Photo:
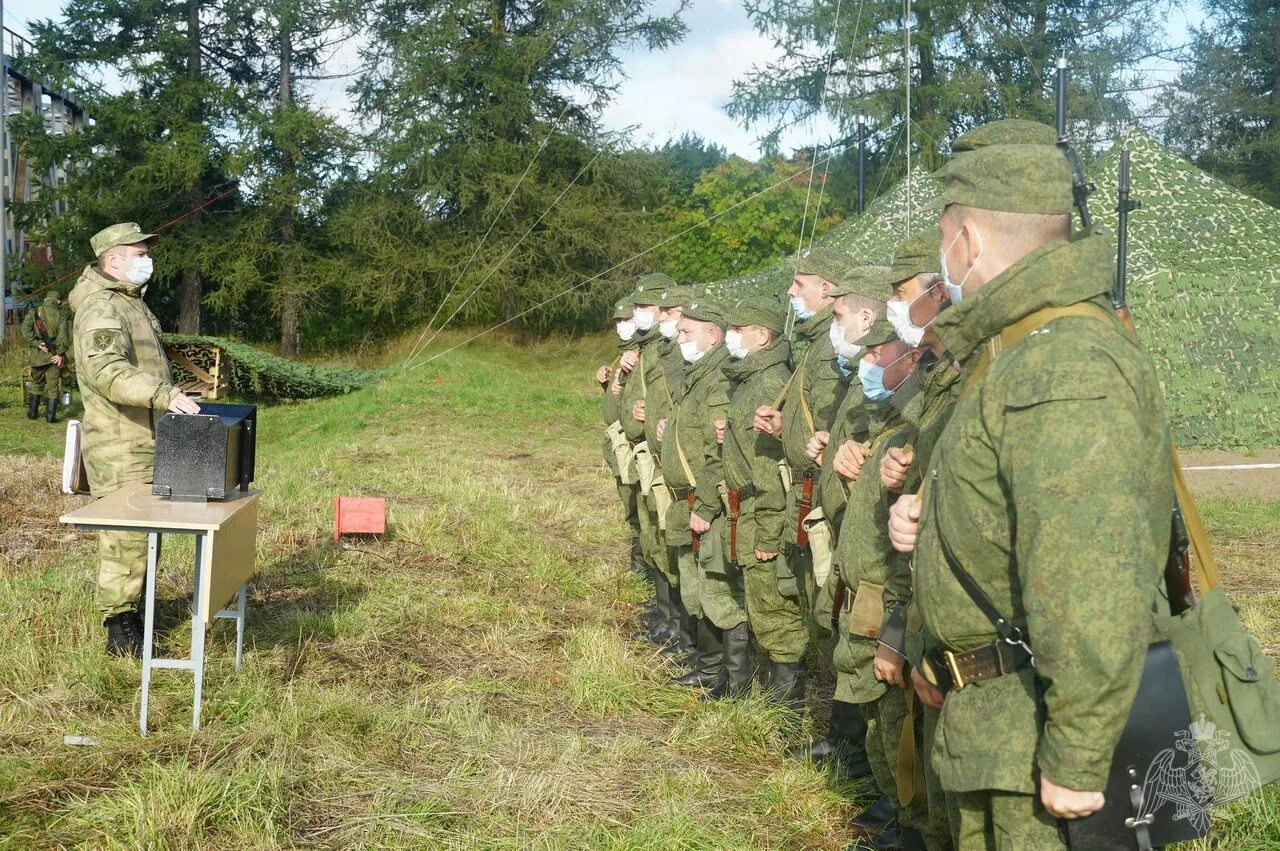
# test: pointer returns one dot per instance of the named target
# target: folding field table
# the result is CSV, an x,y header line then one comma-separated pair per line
x,y
225,534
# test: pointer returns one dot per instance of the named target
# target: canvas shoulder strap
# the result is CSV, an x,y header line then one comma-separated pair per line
x,y
1019,330
804,402
684,461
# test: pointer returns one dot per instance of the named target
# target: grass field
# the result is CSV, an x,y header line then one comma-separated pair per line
x,y
467,682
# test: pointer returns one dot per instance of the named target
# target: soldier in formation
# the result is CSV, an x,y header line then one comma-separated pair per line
x,y
47,332
867,473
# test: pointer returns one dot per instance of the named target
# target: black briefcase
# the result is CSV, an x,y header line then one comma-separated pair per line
x,y
1155,793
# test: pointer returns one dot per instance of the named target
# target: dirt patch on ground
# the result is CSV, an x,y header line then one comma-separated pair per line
x,y
31,501
1258,484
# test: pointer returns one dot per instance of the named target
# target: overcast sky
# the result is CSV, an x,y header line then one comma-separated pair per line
x,y
665,94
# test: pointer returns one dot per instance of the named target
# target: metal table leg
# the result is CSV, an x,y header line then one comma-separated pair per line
x,y
148,626
197,635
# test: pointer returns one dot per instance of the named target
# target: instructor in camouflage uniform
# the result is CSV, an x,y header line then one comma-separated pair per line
x,y
1060,434
125,382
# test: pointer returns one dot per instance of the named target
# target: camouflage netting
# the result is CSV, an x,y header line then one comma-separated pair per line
x,y
870,238
258,374
1204,286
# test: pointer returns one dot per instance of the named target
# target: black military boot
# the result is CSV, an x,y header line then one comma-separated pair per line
x,y
33,406
684,650
786,683
124,635
660,630
881,815
709,671
637,558
740,674
844,745
912,839
51,409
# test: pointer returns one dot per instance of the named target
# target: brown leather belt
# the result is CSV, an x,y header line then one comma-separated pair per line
x,y
736,496
682,493
982,663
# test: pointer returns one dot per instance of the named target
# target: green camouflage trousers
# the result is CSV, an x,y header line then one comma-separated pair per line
x,y
942,817
690,580
651,542
777,621
1004,821
885,716
721,595
629,495
122,564
45,380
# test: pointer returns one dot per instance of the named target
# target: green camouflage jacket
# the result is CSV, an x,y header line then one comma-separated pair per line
x,y
691,426
123,375
641,383
660,399
57,327
751,458
1052,485
816,387
855,419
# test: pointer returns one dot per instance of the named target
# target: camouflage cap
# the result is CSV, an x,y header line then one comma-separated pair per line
x,y
1028,179
1009,131
622,310
676,295
705,310
916,255
866,281
649,288
125,233
763,311
881,332
53,298
826,264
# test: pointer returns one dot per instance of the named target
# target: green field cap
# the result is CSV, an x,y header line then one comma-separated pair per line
x,y
765,312
623,309
1028,179
881,332
704,310
676,295
916,255
1009,131
649,288
867,281
125,233
826,264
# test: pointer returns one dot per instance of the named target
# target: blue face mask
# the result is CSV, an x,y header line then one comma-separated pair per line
x,y
842,363
872,377
797,307
955,292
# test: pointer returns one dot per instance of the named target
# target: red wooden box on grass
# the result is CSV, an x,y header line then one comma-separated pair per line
x,y
355,515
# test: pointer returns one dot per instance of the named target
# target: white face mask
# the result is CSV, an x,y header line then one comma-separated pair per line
x,y
668,328
644,318
733,342
955,292
842,346
689,351
899,316
141,271
626,329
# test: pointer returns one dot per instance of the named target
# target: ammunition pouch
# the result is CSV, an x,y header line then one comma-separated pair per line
x,y
646,466
622,453
821,546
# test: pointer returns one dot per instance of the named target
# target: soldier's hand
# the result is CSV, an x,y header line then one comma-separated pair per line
x,y
698,525
925,690
629,360
720,426
602,374
761,555
615,388
904,523
817,443
1061,802
183,404
637,411
59,361
43,347
849,459
890,666
894,466
662,427
768,421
